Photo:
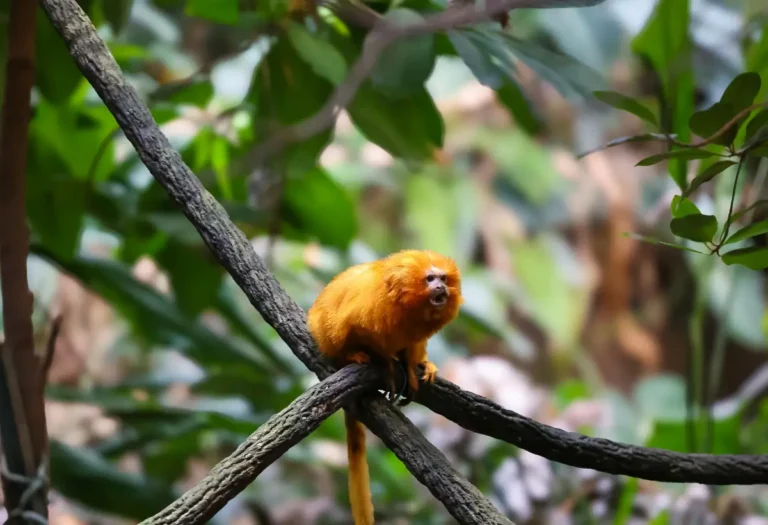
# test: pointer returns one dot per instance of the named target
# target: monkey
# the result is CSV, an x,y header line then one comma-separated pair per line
x,y
384,310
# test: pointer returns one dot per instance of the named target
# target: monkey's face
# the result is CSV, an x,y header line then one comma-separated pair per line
x,y
437,288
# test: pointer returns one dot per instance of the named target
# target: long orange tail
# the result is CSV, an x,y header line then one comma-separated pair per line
x,y
359,480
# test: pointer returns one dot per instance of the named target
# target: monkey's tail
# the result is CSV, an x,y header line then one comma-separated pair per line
x,y
359,480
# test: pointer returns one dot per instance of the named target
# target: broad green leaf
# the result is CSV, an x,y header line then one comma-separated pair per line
x,y
84,476
284,91
709,121
220,164
753,257
751,230
194,274
406,64
757,60
645,137
708,174
695,227
524,114
322,208
684,154
741,92
665,43
220,11
431,211
485,55
411,128
56,207
154,316
569,77
620,101
117,13
56,75
681,206
661,397
319,53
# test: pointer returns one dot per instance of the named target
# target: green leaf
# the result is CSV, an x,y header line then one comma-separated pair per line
x,y
485,55
117,13
321,208
194,274
56,75
681,206
220,11
56,207
707,122
759,151
684,154
517,102
741,92
739,214
405,65
695,227
619,101
708,174
568,76
284,91
753,257
410,128
84,476
751,230
220,164
318,53
155,317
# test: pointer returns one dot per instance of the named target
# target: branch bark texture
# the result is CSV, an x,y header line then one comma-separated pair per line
x,y
230,246
282,431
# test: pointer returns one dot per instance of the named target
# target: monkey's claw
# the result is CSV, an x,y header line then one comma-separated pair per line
x,y
361,358
430,372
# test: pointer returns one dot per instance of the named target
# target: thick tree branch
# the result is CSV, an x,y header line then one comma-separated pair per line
x,y
230,246
22,418
272,439
483,416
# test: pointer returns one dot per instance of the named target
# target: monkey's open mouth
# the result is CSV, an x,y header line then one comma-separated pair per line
x,y
439,298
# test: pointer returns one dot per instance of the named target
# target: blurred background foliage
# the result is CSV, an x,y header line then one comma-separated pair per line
x,y
466,143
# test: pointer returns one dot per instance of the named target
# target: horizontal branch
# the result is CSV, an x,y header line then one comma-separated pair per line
x,y
272,439
233,251
483,416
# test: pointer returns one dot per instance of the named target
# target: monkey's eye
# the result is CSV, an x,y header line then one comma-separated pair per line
x,y
430,277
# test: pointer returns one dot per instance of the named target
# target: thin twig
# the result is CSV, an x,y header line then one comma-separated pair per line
x,y
381,37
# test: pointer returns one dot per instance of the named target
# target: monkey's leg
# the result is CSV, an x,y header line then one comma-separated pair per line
x,y
415,359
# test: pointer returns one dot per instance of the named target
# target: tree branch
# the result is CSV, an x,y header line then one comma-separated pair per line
x,y
376,42
272,439
230,246
478,414
22,418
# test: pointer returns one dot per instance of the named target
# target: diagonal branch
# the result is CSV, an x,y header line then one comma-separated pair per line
x,y
272,439
230,246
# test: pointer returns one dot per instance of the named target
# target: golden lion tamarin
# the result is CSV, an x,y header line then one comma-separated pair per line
x,y
384,309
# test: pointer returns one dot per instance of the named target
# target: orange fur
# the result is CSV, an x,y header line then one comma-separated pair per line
x,y
381,309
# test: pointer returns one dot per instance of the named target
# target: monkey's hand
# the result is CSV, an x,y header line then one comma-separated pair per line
x,y
426,371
